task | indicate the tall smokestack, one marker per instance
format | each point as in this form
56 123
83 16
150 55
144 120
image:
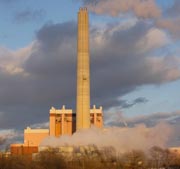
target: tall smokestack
83 75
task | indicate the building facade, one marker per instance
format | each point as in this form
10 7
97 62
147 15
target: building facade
63 121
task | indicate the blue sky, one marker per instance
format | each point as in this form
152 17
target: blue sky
163 98
52 12
134 52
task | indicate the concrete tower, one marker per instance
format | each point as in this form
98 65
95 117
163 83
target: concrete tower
83 75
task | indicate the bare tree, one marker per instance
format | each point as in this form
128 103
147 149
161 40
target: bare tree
2 141
134 159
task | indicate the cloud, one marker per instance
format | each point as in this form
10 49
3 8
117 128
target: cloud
125 104
170 21
58 41
149 120
154 38
140 8
48 83
46 73
124 60
29 15
40 125
9 136
11 61
170 24
140 100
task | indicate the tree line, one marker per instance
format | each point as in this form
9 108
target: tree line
106 158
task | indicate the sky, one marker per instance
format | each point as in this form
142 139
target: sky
135 62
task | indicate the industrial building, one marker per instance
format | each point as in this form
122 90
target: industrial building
64 121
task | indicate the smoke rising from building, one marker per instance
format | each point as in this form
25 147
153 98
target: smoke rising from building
122 139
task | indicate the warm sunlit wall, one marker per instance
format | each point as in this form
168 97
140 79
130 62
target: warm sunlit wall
21 149
96 117
175 149
33 137
61 122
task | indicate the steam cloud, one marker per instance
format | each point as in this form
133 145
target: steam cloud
122 139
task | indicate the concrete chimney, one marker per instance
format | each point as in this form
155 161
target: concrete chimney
83 74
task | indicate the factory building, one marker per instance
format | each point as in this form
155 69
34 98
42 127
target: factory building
61 122
64 121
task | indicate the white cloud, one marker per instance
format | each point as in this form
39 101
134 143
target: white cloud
153 39
8 134
11 61
170 24
40 125
142 9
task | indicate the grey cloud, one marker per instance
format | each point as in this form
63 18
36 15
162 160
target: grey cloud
19 117
124 104
141 8
29 15
51 81
118 66
140 100
55 51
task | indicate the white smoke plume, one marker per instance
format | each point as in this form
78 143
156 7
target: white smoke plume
122 139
